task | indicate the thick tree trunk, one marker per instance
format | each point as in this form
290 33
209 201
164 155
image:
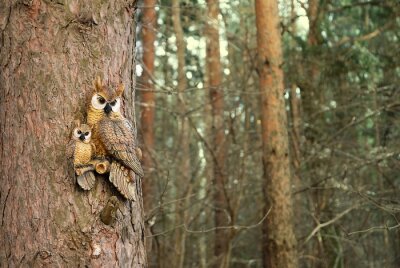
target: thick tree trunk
214 71
279 243
50 53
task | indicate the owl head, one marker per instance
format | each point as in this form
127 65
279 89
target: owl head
82 133
106 99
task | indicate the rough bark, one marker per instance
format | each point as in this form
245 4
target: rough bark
278 243
50 53
214 73
184 178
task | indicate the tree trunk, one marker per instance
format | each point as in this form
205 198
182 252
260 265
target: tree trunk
50 54
149 20
148 98
295 109
312 14
184 187
312 101
214 71
312 97
279 243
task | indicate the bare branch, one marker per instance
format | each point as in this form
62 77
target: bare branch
235 227
325 224
367 36
375 228
358 4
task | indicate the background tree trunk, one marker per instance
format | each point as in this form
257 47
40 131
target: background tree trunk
312 96
184 185
149 21
279 243
148 98
214 73
50 54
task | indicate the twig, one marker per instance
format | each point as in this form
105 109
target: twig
365 37
359 4
236 227
375 228
322 225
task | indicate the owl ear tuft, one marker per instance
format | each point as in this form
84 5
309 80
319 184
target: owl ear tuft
98 84
77 123
120 89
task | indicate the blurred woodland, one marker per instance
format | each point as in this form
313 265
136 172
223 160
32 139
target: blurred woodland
208 197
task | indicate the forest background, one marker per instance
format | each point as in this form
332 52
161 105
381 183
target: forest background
341 89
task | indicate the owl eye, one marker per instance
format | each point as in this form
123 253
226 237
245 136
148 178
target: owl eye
116 105
88 135
77 133
98 102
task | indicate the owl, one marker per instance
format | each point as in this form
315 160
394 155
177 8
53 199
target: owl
82 150
113 137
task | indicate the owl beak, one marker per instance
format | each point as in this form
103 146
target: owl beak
82 137
108 108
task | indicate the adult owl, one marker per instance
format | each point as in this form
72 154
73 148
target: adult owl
113 136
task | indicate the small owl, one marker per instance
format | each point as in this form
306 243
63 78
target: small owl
113 136
82 149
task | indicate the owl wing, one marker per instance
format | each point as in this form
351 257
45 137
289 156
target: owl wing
118 138
122 179
86 180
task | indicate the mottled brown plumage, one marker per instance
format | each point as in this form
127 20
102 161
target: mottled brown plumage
113 137
120 134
